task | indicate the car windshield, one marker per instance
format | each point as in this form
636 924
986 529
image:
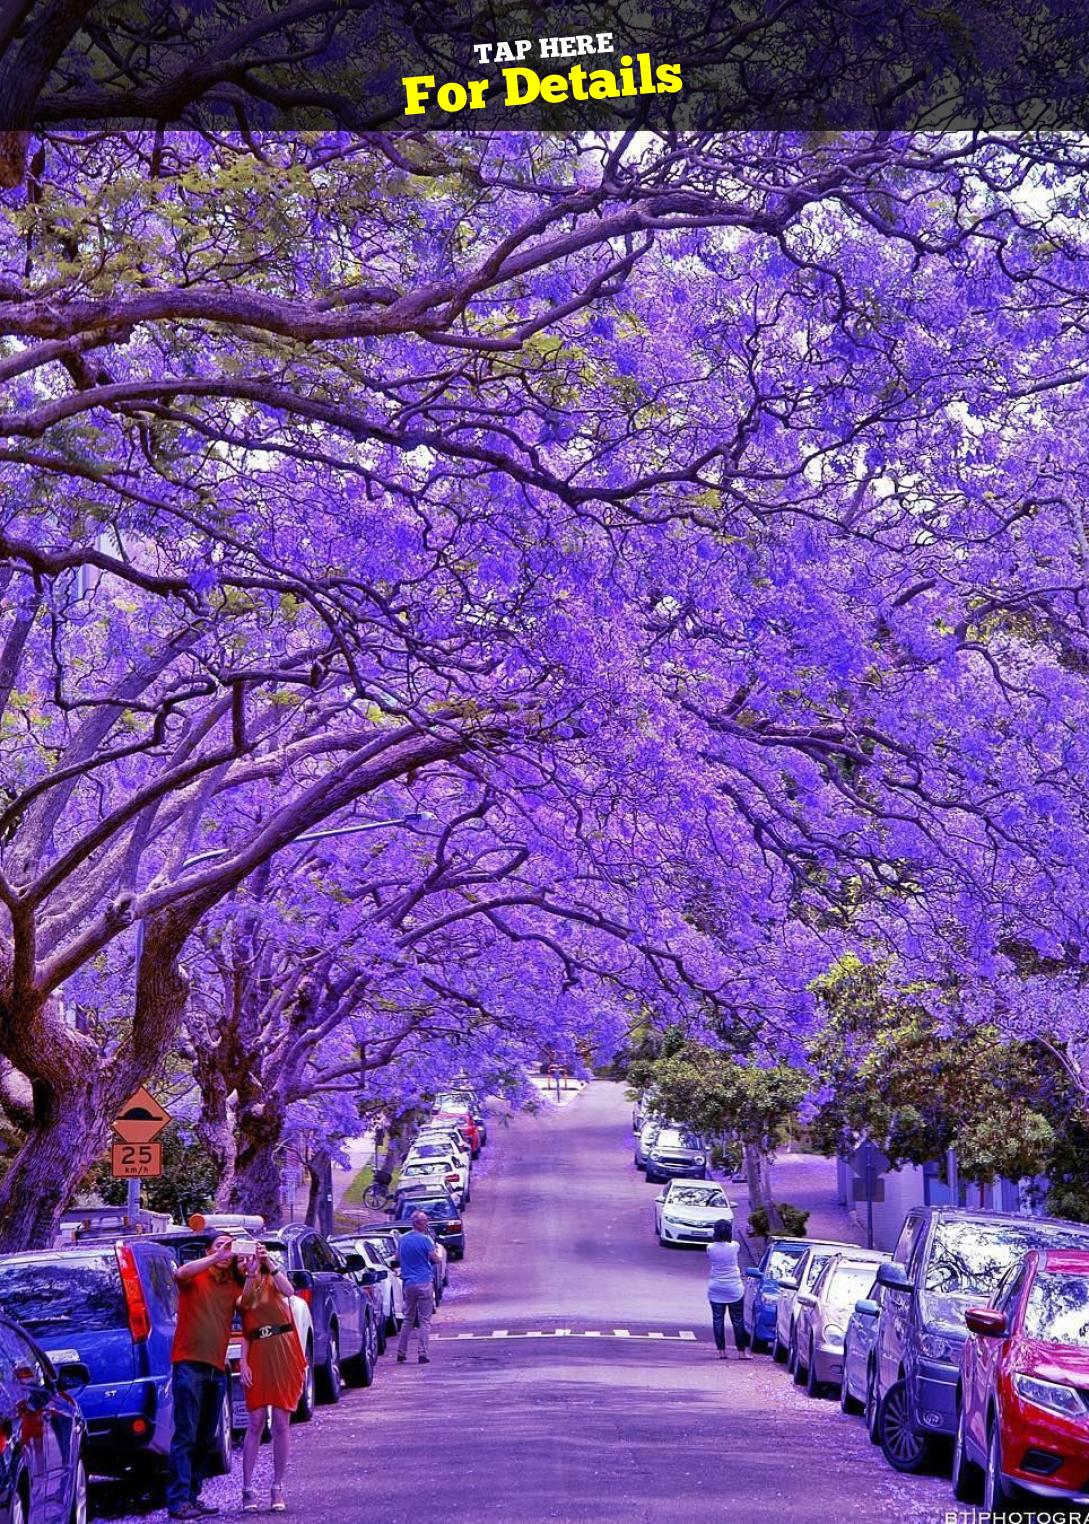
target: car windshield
817 1261
674 1137
430 1150
432 1208
697 1195
1058 1310
783 1261
969 1257
60 1296
847 1285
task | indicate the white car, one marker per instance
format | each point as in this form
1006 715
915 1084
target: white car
438 1145
393 1291
442 1174
687 1210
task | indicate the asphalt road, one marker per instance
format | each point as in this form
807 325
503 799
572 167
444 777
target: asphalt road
573 1376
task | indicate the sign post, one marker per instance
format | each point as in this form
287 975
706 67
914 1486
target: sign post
870 1163
136 1155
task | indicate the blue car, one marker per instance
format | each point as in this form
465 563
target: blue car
43 1475
110 1308
762 1287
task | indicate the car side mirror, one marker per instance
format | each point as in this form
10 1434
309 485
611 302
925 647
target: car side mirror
867 1308
660 1199
893 1277
753 1272
73 1378
806 1299
301 1280
788 1283
987 1321
355 1261
372 1277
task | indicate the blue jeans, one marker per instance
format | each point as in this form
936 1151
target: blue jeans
198 1401
718 1323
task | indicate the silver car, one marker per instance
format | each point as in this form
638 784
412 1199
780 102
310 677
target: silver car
858 1350
821 1321
802 1278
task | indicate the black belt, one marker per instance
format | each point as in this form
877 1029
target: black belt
269 1330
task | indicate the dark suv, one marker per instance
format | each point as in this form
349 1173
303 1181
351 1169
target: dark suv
945 1261
111 1308
345 1336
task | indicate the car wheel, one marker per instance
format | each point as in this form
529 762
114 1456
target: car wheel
368 1356
17 1509
794 1362
847 1403
902 1447
872 1407
331 1376
965 1472
380 1335
393 1326
997 1494
758 1346
778 1350
78 1515
813 1387
305 1410
222 1454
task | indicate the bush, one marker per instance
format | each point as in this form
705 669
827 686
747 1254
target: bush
794 1221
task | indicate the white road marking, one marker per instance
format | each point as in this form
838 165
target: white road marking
683 1335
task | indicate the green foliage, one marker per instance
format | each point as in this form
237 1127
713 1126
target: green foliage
794 1219
715 1092
892 1073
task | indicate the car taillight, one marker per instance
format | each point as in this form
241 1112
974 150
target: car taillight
135 1301
452 1177
306 1294
454 1225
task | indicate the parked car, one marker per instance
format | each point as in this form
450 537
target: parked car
112 1310
43 1466
386 1239
444 1173
687 1210
858 1347
464 1100
644 1142
445 1215
805 1273
944 1261
1022 1416
391 1294
643 1108
344 1337
465 1124
763 1287
821 1319
676 1152
434 1143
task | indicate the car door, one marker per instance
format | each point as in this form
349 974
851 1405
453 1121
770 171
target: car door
892 1328
988 1354
33 1433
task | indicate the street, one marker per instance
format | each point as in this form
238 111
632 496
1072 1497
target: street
573 1375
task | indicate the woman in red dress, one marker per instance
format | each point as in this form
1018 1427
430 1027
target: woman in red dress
273 1370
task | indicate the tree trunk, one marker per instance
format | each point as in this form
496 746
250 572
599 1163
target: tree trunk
70 1132
256 1184
758 1175
319 1206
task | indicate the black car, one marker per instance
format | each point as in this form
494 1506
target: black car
344 1342
945 1261
444 1213
43 1476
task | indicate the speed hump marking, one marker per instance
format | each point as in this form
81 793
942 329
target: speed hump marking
136 1161
141 1119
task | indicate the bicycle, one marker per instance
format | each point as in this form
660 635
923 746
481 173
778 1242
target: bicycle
378 1195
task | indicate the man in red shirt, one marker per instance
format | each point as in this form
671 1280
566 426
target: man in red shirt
208 1292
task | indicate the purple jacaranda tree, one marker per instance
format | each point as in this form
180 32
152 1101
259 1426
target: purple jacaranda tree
713 501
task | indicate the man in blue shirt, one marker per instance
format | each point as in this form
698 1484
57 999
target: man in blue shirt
416 1255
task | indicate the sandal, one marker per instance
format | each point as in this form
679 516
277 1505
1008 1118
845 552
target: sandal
278 1505
249 1501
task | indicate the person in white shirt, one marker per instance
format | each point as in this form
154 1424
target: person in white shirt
726 1290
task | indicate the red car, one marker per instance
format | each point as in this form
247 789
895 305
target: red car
464 1123
1023 1402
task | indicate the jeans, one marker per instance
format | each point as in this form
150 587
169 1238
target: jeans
198 1401
718 1323
419 1305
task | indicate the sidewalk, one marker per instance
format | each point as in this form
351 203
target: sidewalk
804 1180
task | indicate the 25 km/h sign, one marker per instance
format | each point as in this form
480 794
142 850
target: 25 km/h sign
139 1122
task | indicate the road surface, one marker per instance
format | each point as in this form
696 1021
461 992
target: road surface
573 1376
